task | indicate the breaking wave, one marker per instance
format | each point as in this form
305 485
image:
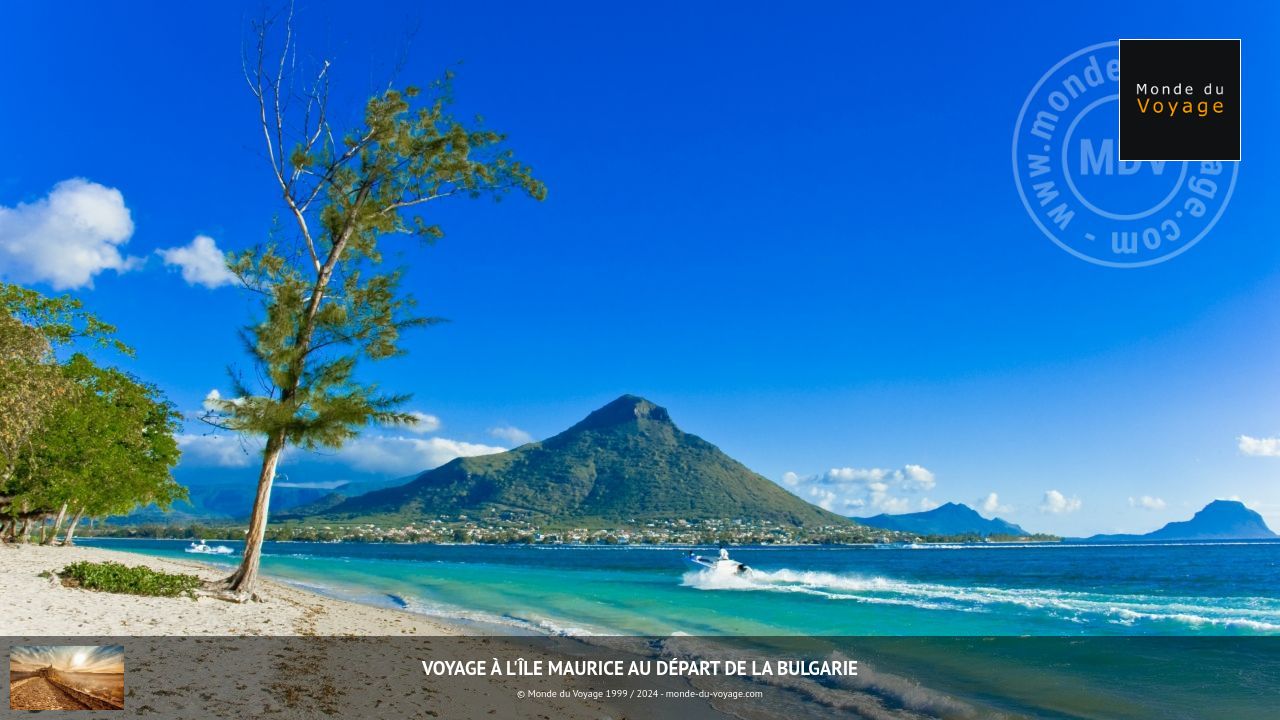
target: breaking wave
1155 613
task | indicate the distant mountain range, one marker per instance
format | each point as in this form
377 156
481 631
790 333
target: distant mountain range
948 519
232 500
629 463
626 462
1219 520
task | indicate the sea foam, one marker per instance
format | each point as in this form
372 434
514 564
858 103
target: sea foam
1154 612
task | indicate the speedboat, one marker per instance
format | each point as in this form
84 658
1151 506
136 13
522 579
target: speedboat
203 548
718 565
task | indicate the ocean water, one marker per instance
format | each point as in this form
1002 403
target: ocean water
1053 632
1224 588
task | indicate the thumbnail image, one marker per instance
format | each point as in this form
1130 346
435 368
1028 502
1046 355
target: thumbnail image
66 677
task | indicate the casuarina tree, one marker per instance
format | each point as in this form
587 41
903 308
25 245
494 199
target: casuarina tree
329 300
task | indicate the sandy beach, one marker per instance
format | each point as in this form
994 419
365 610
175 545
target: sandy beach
34 605
309 655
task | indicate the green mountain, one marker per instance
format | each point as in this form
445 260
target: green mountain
625 463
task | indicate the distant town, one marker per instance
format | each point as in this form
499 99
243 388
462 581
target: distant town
499 530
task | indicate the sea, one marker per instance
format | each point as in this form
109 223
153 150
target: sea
995 589
1000 630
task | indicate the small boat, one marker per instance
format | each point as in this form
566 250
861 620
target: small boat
203 548
722 564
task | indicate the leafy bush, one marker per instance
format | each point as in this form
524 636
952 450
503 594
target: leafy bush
117 578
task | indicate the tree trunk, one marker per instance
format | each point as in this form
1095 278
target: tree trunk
243 581
71 529
25 535
57 526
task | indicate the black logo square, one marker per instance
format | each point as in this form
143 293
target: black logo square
1179 100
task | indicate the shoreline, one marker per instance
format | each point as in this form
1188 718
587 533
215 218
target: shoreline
310 653
313 635
473 605
658 546
35 606
317 644
1073 542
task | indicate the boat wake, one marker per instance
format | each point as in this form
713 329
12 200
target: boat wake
203 548
1137 613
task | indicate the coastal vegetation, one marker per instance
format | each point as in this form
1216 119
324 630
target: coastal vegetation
328 300
130 580
77 438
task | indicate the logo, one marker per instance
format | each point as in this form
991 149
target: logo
1083 197
1180 100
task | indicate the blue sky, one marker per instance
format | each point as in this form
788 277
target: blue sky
794 227
78 658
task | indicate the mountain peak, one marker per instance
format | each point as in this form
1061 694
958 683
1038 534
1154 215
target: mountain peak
957 510
1219 520
625 463
948 519
625 409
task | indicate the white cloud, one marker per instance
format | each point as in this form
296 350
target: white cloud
396 455
426 423
1260 447
1147 502
222 450
511 434
919 478
391 455
214 402
991 505
1057 503
66 238
201 262
910 476
323 485
865 491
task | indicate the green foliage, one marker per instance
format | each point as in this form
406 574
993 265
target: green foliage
75 436
329 300
187 531
31 325
118 578
30 387
625 463
62 320
106 448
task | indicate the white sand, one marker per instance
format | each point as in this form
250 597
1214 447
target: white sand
32 605
186 660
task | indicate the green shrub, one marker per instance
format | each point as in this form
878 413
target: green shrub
117 578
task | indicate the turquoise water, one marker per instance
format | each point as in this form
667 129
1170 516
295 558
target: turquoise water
1142 622
1039 590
